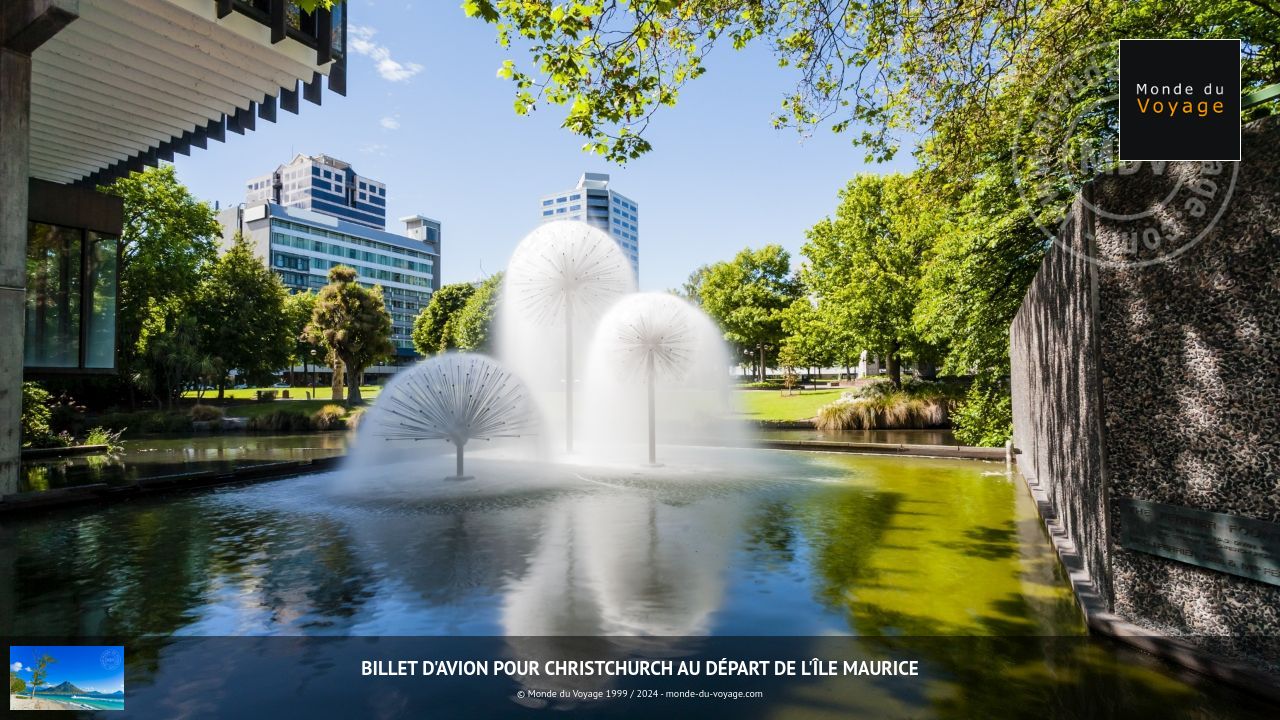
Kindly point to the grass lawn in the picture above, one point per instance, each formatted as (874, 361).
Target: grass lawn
(775, 405)
(323, 392)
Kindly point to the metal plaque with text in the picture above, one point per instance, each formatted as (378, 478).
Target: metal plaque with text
(1229, 543)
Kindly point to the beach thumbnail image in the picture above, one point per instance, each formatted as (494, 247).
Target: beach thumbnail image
(66, 677)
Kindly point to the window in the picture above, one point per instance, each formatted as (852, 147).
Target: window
(546, 203)
(561, 199)
(548, 212)
(71, 298)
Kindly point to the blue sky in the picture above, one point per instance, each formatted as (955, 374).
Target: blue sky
(81, 665)
(426, 114)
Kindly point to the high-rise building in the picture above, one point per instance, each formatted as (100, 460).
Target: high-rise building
(326, 185)
(593, 202)
(301, 236)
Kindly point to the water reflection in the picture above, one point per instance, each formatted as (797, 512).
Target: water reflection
(883, 548)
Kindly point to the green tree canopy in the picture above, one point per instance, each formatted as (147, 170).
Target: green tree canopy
(298, 308)
(747, 296)
(473, 327)
(880, 70)
(865, 264)
(433, 328)
(169, 242)
(240, 306)
(353, 324)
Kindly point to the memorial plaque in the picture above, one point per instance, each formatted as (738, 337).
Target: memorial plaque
(1230, 543)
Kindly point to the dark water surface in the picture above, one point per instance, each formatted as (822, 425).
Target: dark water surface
(892, 550)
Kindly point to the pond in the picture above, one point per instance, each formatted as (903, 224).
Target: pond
(891, 550)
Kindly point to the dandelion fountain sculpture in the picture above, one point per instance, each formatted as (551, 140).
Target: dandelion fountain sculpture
(566, 273)
(455, 398)
(651, 336)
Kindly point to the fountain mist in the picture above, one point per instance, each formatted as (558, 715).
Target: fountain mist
(563, 275)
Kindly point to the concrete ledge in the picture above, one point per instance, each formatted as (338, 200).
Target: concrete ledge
(950, 451)
(103, 493)
(1166, 647)
(57, 452)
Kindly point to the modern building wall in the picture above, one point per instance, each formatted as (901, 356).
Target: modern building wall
(323, 184)
(1161, 383)
(302, 245)
(592, 201)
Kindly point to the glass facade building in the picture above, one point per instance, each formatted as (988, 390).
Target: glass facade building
(323, 184)
(593, 202)
(301, 245)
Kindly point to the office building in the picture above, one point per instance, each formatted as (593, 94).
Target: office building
(323, 184)
(301, 243)
(592, 201)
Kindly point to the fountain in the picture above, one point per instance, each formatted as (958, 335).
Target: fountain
(563, 274)
(455, 398)
(649, 336)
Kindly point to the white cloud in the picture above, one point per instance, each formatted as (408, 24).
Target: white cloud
(374, 149)
(391, 123)
(16, 667)
(360, 39)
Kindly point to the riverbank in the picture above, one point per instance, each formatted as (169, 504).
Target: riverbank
(24, 702)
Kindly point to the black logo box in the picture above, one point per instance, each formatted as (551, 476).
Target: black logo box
(1186, 65)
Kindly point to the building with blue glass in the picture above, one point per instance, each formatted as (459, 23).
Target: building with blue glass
(592, 201)
(323, 184)
(301, 231)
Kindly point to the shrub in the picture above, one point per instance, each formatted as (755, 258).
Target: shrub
(103, 436)
(353, 420)
(879, 405)
(770, 385)
(329, 417)
(206, 413)
(282, 421)
(985, 417)
(35, 415)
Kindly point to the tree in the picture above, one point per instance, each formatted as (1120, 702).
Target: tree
(747, 297)
(16, 684)
(473, 327)
(298, 309)
(433, 328)
(169, 349)
(240, 306)
(690, 289)
(932, 68)
(810, 341)
(865, 265)
(169, 241)
(353, 324)
(40, 672)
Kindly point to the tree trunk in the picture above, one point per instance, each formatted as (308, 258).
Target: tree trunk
(763, 373)
(222, 384)
(336, 382)
(895, 366)
(353, 386)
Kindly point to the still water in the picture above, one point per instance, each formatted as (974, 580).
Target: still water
(809, 545)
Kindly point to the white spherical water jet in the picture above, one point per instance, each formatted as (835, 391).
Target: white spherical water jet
(455, 398)
(657, 367)
(560, 280)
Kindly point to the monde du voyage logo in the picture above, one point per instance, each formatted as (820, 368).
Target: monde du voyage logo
(1179, 100)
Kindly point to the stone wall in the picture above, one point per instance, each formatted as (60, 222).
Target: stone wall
(1161, 381)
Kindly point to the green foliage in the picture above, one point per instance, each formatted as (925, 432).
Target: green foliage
(935, 68)
(881, 405)
(473, 326)
(352, 323)
(282, 421)
(240, 308)
(168, 243)
(169, 348)
(329, 417)
(35, 415)
(864, 266)
(298, 309)
(206, 413)
(104, 436)
(985, 417)
(747, 297)
(433, 329)
(40, 672)
(16, 684)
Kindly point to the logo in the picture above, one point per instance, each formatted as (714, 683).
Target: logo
(1179, 100)
(1068, 135)
(111, 658)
